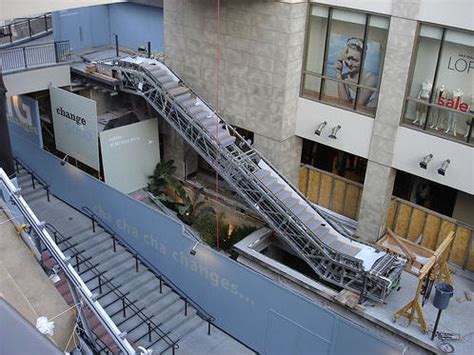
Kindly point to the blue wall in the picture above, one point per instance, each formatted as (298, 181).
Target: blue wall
(136, 25)
(96, 26)
(84, 27)
(267, 317)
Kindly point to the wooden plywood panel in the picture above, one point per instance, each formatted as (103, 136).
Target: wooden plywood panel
(430, 233)
(444, 230)
(313, 185)
(325, 190)
(417, 223)
(391, 214)
(351, 201)
(470, 263)
(460, 245)
(303, 180)
(402, 220)
(338, 196)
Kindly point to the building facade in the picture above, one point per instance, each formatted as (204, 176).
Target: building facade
(386, 84)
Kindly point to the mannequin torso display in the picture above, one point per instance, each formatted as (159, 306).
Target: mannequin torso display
(457, 96)
(424, 95)
(436, 113)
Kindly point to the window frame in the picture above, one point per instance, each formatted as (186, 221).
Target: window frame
(469, 140)
(323, 77)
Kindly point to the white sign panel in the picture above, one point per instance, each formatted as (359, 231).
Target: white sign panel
(75, 126)
(130, 154)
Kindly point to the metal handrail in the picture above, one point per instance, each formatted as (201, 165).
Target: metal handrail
(64, 264)
(6, 30)
(201, 312)
(33, 175)
(108, 281)
(33, 45)
(35, 55)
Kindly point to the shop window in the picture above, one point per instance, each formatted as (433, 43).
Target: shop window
(334, 161)
(440, 98)
(343, 58)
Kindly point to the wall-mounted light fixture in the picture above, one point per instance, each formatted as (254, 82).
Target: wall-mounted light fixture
(64, 160)
(424, 163)
(334, 131)
(193, 249)
(444, 166)
(320, 128)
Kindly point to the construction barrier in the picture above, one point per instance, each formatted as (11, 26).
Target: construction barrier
(412, 222)
(406, 219)
(331, 191)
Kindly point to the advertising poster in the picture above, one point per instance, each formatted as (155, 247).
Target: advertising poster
(345, 63)
(130, 154)
(75, 126)
(24, 118)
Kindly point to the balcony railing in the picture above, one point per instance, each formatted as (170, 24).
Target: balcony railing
(34, 56)
(25, 29)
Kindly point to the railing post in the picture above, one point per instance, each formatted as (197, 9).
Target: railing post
(136, 263)
(29, 27)
(115, 246)
(33, 182)
(116, 46)
(10, 33)
(24, 56)
(185, 307)
(161, 285)
(149, 49)
(100, 283)
(149, 332)
(93, 223)
(45, 24)
(56, 51)
(208, 328)
(124, 307)
(47, 194)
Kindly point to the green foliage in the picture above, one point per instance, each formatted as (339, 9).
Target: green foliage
(162, 179)
(206, 226)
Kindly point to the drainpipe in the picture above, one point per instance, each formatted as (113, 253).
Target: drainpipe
(6, 157)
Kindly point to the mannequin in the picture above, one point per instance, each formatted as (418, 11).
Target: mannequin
(469, 120)
(437, 113)
(424, 95)
(457, 94)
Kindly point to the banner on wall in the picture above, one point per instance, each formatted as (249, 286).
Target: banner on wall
(130, 154)
(24, 118)
(75, 126)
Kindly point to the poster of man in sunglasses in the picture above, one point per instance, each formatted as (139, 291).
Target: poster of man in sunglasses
(347, 55)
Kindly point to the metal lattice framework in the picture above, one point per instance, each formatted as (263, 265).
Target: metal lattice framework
(238, 162)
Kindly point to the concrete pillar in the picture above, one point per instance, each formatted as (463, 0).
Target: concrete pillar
(6, 157)
(380, 176)
(176, 149)
(260, 58)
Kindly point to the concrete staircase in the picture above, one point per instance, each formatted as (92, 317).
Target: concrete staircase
(140, 304)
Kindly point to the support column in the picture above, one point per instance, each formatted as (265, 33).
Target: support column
(176, 149)
(380, 175)
(258, 76)
(6, 157)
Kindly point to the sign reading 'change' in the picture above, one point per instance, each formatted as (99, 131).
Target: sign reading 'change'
(75, 126)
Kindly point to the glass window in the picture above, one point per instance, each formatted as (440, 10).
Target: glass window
(440, 98)
(343, 58)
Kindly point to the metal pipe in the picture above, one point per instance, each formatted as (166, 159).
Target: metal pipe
(436, 324)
